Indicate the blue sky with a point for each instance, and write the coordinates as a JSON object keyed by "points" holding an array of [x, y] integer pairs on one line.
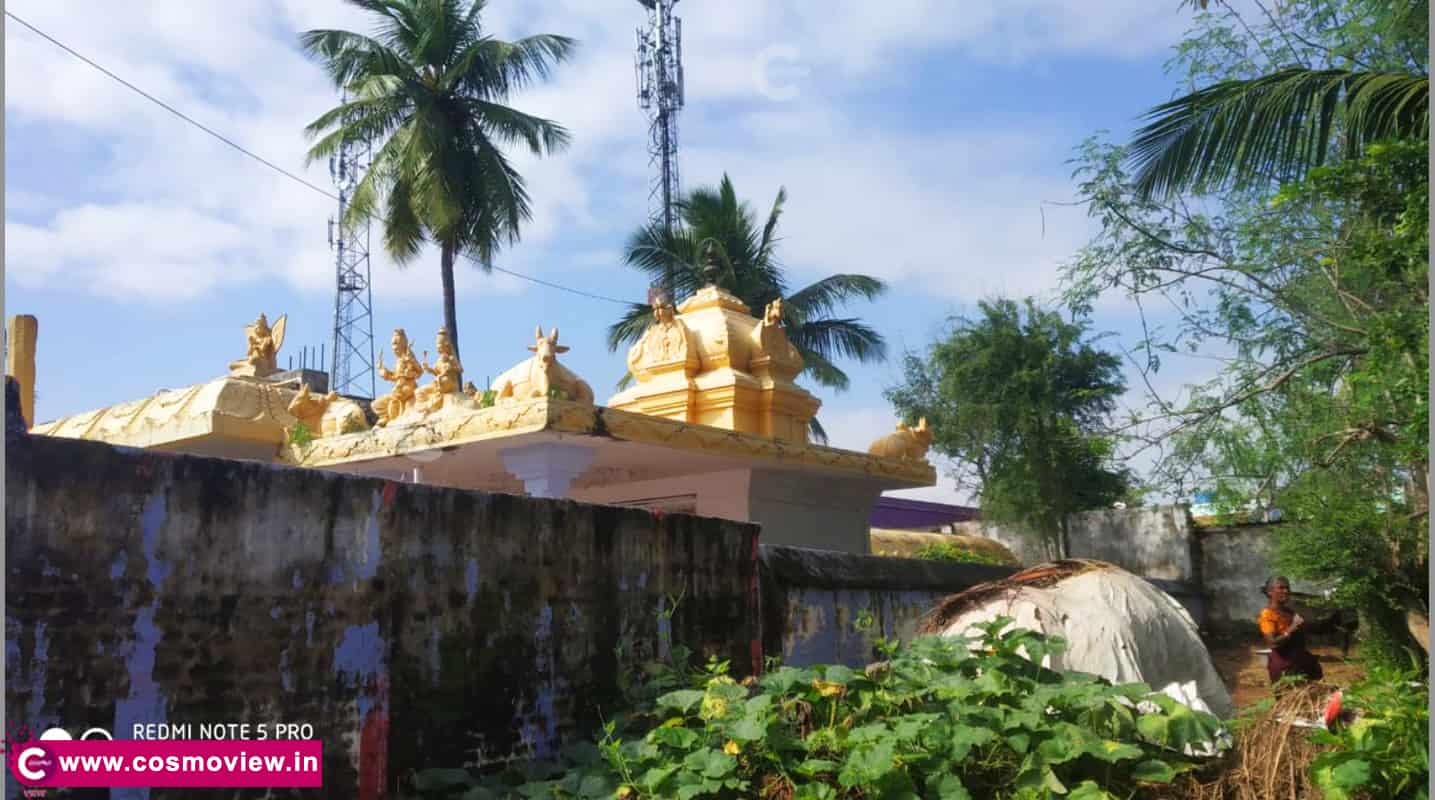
{"points": [[917, 142]]}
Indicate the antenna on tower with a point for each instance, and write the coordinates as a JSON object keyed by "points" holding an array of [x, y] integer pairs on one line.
{"points": [[659, 67], [352, 369]]}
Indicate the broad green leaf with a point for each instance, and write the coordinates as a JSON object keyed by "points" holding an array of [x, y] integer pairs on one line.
{"points": [[599, 786], [1353, 773], [867, 763], [947, 787], [813, 767], [677, 738], [1112, 751], [684, 700], [814, 791], [965, 738], [1059, 750], [1153, 771], [1090, 790], [1040, 777], [655, 776], [839, 674], [1192, 728], [1154, 727], [749, 729]]}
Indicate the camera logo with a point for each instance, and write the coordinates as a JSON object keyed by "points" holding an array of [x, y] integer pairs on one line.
{"points": [[31, 760], [34, 763]]}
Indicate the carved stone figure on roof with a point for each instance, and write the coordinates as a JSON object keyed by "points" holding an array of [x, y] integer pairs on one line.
{"points": [[404, 376], [328, 415], [905, 444], [774, 353], [261, 358], [538, 375], [446, 371], [664, 342]]}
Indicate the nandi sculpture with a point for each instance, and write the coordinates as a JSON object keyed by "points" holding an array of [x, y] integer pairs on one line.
{"points": [[327, 415], [907, 444], [542, 373]]}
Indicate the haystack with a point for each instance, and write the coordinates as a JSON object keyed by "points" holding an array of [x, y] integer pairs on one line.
{"points": [[1116, 625], [1273, 754]]}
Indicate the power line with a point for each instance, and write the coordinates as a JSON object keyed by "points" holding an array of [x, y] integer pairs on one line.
{"points": [[171, 109], [552, 285], [266, 162]]}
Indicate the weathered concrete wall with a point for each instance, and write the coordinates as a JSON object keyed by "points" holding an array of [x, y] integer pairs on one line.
{"points": [[822, 607], [147, 587], [1029, 548], [812, 510], [814, 601], [1235, 563], [1154, 542]]}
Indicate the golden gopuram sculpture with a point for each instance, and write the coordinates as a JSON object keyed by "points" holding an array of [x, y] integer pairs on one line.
{"points": [[711, 362], [540, 374], [327, 415], [904, 444], [404, 376], [261, 358], [444, 392]]}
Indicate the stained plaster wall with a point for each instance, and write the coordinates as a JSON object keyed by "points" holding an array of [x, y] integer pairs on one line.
{"points": [[148, 587], [1216, 572], [827, 607], [793, 508], [1235, 563], [1154, 542]]}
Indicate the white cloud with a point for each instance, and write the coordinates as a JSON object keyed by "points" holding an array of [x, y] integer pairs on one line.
{"points": [[955, 212]]}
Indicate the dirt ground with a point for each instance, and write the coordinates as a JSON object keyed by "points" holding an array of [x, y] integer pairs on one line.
{"points": [[1244, 670]]}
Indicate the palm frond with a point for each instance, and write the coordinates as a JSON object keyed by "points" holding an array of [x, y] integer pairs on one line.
{"points": [[630, 328], [510, 126], [822, 371], [827, 295], [816, 432], [1275, 126], [769, 230], [493, 69], [846, 338], [345, 55]]}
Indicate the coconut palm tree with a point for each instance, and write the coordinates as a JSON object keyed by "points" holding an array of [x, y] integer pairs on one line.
{"points": [[1278, 126], [717, 226], [428, 90]]}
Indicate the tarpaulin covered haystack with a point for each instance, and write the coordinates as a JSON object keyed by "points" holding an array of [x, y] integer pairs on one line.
{"points": [[1116, 625]]}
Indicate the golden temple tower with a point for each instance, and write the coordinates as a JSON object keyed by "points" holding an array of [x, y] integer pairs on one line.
{"points": [[711, 362]]}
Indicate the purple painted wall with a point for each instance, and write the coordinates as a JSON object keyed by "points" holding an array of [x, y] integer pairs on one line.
{"points": [[901, 514]]}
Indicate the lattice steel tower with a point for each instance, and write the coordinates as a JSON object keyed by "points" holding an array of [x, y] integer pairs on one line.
{"points": [[659, 65], [352, 369]]}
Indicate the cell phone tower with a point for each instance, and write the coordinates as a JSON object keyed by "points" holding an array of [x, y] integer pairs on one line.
{"points": [[659, 66], [352, 369]]}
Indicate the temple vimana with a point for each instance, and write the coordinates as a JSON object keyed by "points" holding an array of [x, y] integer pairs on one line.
{"points": [[713, 423]]}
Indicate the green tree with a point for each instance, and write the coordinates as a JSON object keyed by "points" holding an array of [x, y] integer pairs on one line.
{"points": [[1312, 295], [428, 90], [717, 225], [1275, 126], [1020, 400]]}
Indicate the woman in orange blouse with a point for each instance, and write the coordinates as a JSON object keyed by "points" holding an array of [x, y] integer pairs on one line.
{"points": [[1285, 633]]}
